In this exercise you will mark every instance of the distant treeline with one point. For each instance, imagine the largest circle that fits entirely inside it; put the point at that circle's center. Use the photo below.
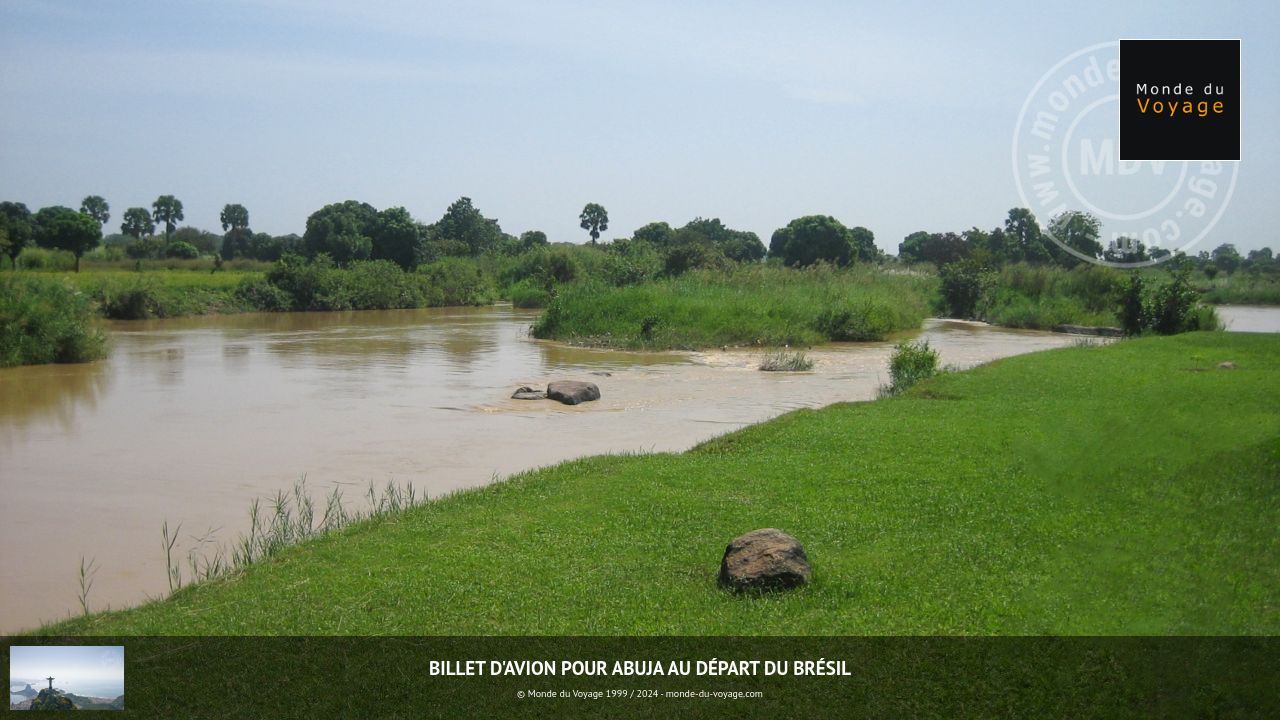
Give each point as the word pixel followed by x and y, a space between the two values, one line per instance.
pixel 351 231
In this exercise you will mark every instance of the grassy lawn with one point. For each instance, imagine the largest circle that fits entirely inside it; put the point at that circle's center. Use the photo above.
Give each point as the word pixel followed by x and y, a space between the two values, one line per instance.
pixel 1128 489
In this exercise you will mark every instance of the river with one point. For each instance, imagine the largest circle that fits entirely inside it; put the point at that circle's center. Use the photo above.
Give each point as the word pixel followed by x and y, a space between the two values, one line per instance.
pixel 190 419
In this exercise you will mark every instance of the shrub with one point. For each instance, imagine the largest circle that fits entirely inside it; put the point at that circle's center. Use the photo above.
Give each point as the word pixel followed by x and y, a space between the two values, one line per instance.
pixel 310 284
pixel 1172 308
pixel 867 320
pixel 529 294
pixel 256 293
pixel 38 258
pixel 456 281
pixel 963 283
pixel 911 363
pixel 1133 316
pixel 179 249
pixel 381 284
pixel 46 321
pixel 135 298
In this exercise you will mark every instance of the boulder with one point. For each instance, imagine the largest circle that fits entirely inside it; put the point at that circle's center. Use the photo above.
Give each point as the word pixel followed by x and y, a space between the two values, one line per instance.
pixel 572 392
pixel 766 559
pixel 528 393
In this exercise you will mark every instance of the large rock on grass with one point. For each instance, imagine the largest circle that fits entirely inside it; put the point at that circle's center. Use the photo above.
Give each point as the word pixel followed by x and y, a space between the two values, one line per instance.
pixel 766 559
pixel 572 392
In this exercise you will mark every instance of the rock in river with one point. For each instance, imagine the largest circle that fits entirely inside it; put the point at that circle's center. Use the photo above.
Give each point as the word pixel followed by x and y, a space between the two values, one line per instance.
pixel 572 392
pixel 528 393
pixel 766 559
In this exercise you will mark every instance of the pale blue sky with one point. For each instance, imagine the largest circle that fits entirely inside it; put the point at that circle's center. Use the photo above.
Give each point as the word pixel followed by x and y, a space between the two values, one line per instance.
pixel 75 668
pixel 895 116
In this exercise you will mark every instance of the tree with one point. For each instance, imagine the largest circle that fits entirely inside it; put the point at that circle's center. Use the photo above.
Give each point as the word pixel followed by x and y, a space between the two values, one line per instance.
pixel 341 231
pixel 167 209
pixel 1078 231
pixel 594 219
pixel 937 248
pixel 1261 255
pixel 97 208
pixel 396 237
pixel 1227 258
pixel 137 222
pixel 65 229
pixel 1125 249
pixel 530 239
pixel 657 234
pixel 464 223
pixel 809 239
pixel 235 223
pixel 864 244
pixel 1023 240
pixel 738 245
pixel 16 231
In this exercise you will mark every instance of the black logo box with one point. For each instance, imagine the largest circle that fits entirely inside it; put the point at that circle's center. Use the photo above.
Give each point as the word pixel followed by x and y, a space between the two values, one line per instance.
pixel 1187 68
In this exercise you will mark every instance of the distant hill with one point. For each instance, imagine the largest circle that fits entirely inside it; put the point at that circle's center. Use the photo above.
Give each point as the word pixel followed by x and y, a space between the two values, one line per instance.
pixel 96 703
pixel 52 700
pixel 27 691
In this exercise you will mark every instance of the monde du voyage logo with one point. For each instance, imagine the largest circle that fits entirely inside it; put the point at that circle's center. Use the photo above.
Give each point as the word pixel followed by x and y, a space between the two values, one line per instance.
pixel 1141 135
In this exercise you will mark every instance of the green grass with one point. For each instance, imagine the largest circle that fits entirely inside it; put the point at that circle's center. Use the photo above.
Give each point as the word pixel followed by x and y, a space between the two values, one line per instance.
pixel 750 305
pixel 1125 489
pixel 1242 289
pixel 162 293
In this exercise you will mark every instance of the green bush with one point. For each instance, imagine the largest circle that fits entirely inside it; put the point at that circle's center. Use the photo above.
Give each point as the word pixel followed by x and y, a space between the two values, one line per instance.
pixel 179 249
pixel 381 284
pixel 257 293
pixel 456 281
pixel 1174 306
pixel 38 258
pixel 46 321
pixel 963 284
pixel 529 294
pixel 911 363
pixel 310 284
pixel 1133 316
pixel 135 298
pixel 856 322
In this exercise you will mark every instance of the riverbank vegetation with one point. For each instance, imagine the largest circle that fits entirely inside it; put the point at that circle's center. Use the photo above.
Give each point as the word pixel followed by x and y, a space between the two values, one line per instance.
pixel 1136 498
pixel 695 285
pixel 46 322
pixel 756 306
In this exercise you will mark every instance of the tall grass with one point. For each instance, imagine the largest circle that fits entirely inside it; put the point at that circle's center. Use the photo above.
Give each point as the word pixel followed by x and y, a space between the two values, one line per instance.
pixel 786 361
pixel 283 520
pixel 1243 289
pixel 44 320
pixel 1043 296
pixel 749 305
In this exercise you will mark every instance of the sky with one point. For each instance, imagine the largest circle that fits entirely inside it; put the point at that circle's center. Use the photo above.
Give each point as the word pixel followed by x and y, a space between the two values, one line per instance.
pixel 76 669
pixel 895 116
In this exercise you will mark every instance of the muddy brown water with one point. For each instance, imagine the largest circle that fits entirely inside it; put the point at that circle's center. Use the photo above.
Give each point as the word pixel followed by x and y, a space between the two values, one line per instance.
pixel 1249 318
pixel 189 420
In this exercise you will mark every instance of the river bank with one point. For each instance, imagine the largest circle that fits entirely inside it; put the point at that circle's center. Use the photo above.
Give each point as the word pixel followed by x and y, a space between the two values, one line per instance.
pixel 977 503
pixel 171 426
